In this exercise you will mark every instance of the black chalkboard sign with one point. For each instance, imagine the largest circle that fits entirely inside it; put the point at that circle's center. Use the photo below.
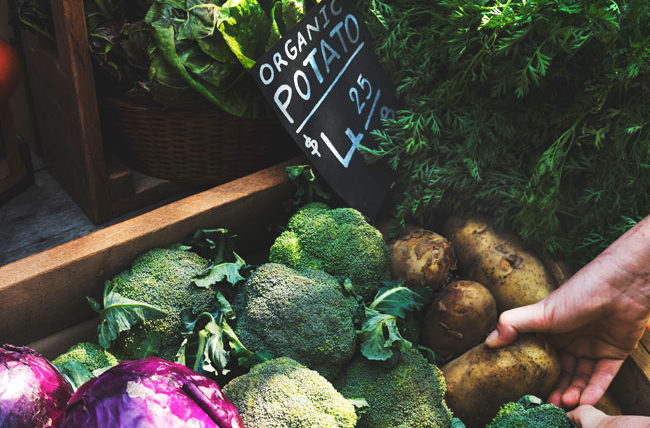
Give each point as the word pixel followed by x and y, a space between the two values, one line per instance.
pixel 325 83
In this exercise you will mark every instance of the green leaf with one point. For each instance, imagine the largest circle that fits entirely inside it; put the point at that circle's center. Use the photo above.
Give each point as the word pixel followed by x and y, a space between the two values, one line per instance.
pixel 529 401
pixel 245 28
pixel 361 406
pixel 308 188
pixel 379 336
pixel 457 423
pixel 397 300
pixel 75 373
pixel 210 345
pixel 214 274
pixel 120 314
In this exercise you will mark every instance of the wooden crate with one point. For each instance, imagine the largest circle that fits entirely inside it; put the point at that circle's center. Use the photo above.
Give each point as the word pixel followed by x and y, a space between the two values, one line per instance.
pixel 43 296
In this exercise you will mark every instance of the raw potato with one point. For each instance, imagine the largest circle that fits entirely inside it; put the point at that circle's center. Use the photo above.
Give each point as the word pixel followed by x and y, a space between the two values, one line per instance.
pixel 482 379
pixel 514 276
pixel 459 318
pixel 422 257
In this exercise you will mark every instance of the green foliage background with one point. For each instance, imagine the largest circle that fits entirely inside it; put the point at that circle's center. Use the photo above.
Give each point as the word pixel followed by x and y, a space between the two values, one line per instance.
pixel 535 112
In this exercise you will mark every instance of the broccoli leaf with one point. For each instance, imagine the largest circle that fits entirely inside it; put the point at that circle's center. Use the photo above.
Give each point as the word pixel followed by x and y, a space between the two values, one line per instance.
pixel 210 344
pixel 380 336
pixel 308 188
pixel 120 314
pixel 75 373
pixel 217 273
pixel 397 300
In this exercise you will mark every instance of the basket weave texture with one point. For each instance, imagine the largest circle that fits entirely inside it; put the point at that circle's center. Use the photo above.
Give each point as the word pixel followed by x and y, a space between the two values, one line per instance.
pixel 197 147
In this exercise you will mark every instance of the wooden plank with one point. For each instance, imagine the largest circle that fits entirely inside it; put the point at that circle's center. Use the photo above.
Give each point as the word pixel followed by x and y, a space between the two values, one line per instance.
pixel 72 47
pixel 632 384
pixel 65 106
pixel 45 293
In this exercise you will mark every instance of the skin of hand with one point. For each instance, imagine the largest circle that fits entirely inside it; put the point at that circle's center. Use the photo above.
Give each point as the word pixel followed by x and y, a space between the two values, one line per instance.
pixel 589 417
pixel 594 320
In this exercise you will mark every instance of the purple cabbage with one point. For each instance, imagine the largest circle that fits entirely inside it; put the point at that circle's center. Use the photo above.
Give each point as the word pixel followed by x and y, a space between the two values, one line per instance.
pixel 33 393
pixel 150 393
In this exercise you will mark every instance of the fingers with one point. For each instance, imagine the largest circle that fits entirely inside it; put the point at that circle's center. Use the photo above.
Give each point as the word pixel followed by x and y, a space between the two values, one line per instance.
pixel 587 416
pixel 568 366
pixel 583 372
pixel 603 374
pixel 519 320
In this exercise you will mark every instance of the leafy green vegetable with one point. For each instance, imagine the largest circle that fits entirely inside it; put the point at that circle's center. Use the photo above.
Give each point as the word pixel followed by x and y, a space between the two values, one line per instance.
pixel 379 335
pixel 118 314
pixel 245 28
pixel 210 344
pixel 308 188
pixel 185 36
pixel 534 112
pixel 217 246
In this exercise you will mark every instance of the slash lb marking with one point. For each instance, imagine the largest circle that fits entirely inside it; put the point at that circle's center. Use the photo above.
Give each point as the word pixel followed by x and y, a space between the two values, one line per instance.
pixel 312 144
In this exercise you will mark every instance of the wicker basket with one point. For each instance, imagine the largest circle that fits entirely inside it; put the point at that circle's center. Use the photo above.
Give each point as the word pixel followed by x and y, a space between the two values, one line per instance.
pixel 197 147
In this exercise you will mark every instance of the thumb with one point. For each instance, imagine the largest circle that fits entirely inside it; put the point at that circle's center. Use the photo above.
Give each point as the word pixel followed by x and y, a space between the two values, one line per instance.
pixel 586 416
pixel 526 319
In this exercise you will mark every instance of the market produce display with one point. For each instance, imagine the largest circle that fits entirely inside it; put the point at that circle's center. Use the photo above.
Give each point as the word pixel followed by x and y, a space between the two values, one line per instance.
pixel 533 112
pixel 295 346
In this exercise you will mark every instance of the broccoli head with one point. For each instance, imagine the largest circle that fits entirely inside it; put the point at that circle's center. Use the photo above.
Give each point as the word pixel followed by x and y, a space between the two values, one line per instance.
pixel 163 278
pixel 530 412
pixel 91 355
pixel 301 315
pixel 83 361
pixel 282 393
pixel 337 241
pixel 407 395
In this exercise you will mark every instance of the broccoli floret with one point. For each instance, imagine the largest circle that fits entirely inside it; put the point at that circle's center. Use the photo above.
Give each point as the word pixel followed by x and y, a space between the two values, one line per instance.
pixel 337 241
pixel 530 412
pixel 83 362
pixel 301 315
pixel 163 278
pixel 282 393
pixel 407 395
pixel 90 355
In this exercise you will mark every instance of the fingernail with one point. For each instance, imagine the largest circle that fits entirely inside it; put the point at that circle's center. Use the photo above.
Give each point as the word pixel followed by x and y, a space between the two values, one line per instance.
pixel 492 337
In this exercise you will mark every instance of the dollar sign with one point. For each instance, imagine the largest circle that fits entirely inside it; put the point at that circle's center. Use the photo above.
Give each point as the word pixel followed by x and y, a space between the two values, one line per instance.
pixel 312 144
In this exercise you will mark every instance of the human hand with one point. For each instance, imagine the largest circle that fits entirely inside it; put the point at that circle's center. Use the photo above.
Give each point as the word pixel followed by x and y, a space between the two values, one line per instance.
pixel 590 417
pixel 594 320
